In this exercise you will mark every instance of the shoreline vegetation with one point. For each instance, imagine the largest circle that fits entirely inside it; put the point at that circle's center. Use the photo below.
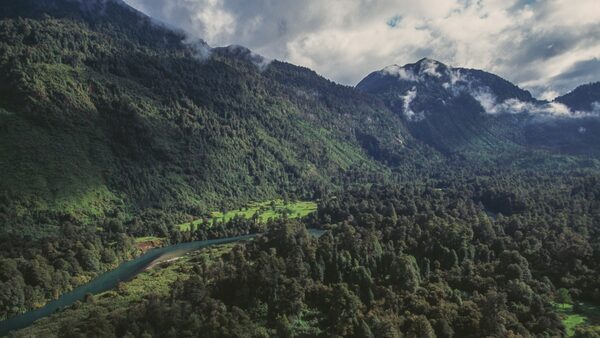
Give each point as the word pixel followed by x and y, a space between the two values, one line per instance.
pixel 109 280
pixel 156 280
pixel 261 211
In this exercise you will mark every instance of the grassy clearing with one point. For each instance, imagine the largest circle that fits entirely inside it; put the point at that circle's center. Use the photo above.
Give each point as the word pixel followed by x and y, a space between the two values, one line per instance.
pixel 148 242
pixel 583 315
pixel 263 210
pixel 148 239
pixel 157 280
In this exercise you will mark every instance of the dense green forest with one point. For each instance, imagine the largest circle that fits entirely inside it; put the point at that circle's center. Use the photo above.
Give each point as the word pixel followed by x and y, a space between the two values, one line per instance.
pixel 414 260
pixel 99 116
pixel 114 128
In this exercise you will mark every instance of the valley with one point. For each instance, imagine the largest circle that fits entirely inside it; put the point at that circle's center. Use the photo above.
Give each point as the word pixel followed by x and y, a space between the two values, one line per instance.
pixel 426 201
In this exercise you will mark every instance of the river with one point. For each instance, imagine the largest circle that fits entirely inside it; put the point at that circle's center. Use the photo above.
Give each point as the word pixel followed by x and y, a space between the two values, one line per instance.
pixel 109 280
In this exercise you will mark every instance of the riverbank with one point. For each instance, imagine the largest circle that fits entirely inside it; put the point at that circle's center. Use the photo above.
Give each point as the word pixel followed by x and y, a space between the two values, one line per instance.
pixel 157 281
pixel 109 280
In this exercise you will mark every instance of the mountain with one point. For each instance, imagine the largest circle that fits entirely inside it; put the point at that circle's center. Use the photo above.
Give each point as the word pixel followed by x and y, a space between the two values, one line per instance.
pixel 444 106
pixel 475 112
pixel 577 130
pixel 445 202
pixel 104 111
pixel 582 98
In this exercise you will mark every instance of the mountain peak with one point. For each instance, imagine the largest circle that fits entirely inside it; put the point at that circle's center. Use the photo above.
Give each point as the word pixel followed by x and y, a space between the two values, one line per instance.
pixel 427 60
pixel 431 88
pixel 584 98
pixel 418 71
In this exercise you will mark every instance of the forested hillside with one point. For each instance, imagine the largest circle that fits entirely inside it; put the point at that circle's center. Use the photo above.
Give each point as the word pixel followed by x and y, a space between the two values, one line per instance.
pixel 455 203
pixel 105 111
pixel 113 126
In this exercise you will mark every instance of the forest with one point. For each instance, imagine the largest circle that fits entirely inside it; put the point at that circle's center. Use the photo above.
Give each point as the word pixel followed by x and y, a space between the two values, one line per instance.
pixel 115 131
pixel 486 257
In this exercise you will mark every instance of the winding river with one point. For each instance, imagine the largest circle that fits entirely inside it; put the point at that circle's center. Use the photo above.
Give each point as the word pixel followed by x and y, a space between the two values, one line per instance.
pixel 109 280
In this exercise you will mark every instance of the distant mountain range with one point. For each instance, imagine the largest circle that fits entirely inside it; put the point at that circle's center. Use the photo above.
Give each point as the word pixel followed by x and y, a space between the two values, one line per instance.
pixel 458 109
pixel 102 110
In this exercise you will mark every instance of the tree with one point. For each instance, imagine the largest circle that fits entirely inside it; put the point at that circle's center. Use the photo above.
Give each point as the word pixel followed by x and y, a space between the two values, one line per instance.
pixel 363 331
pixel 283 327
pixel 493 308
pixel 420 327
pixel 391 213
pixel 563 297
pixel 406 272
pixel 343 311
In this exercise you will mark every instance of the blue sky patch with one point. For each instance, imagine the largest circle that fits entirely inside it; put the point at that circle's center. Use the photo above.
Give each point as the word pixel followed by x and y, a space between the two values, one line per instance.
pixel 394 21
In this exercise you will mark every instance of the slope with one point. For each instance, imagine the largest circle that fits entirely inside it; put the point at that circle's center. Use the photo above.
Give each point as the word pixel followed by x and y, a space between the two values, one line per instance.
pixel 437 103
pixel 480 115
pixel 104 111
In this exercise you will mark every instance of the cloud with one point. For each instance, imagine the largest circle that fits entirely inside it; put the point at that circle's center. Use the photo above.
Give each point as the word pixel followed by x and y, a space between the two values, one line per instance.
pixel 581 72
pixel 538 109
pixel 460 83
pixel 394 21
pixel 407 110
pixel 244 53
pixel 401 72
pixel 430 68
pixel 202 50
pixel 540 45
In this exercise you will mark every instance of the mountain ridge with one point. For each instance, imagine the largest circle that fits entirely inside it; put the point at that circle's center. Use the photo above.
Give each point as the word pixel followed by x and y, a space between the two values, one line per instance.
pixel 114 128
pixel 128 117
pixel 585 97
pixel 179 96
pixel 459 109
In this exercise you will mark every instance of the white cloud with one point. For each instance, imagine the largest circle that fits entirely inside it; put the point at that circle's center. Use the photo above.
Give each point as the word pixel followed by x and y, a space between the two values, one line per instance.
pixel 201 50
pixel 528 42
pixel 407 110
pixel 515 106
pixel 400 72
pixel 429 67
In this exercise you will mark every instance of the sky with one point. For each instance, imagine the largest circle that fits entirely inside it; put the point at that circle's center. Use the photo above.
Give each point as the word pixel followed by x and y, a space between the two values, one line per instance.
pixel 546 46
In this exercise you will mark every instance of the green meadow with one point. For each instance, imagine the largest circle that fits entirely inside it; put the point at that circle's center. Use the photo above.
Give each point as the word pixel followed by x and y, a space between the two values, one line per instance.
pixel 148 239
pixel 264 211
pixel 583 315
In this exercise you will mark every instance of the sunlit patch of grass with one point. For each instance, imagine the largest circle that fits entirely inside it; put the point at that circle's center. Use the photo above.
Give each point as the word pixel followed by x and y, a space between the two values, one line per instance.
pixel 264 211
pixel 148 239
pixel 581 315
